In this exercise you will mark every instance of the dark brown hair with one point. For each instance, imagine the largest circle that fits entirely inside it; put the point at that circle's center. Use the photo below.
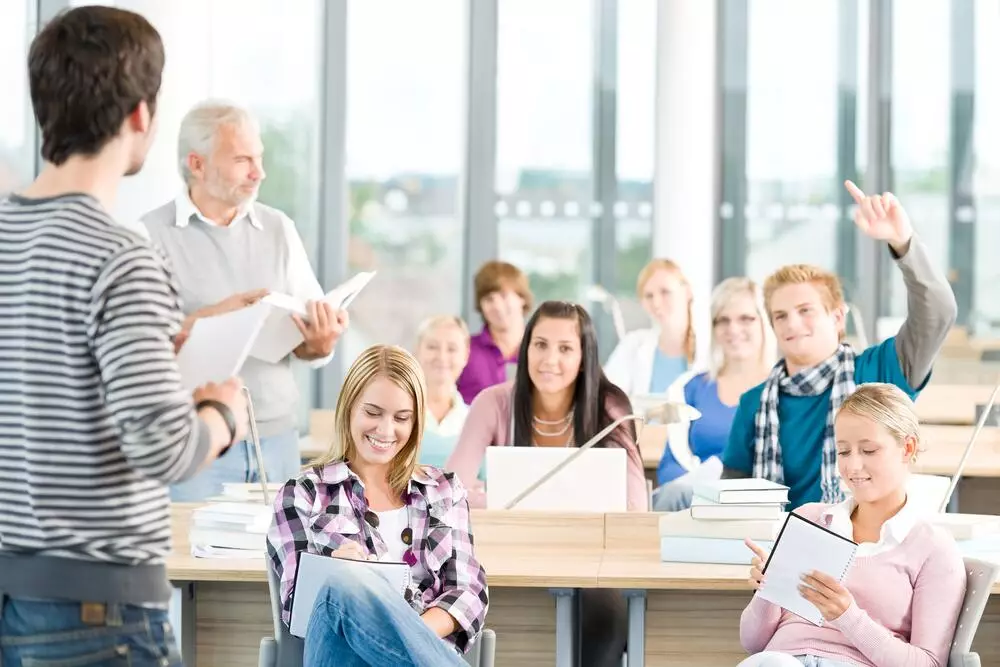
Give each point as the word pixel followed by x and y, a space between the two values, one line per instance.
pixel 594 396
pixel 494 276
pixel 89 68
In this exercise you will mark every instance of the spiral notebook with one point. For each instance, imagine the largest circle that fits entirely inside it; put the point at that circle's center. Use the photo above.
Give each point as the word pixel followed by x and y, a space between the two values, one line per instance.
pixel 314 571
pixel 801 547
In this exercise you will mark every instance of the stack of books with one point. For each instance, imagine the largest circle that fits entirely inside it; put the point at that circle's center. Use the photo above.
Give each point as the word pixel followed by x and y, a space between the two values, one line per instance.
pixel 230 530
pixel 723 513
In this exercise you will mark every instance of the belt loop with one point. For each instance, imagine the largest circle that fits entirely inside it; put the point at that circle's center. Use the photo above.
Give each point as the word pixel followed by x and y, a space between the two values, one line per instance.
pixel 114 615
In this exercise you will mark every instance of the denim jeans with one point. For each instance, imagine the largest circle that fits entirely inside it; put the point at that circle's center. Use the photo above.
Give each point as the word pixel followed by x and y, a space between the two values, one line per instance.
pixel 674 496
pixel 361 621
pixel 52 633
pixel 776 659
pixel 239 466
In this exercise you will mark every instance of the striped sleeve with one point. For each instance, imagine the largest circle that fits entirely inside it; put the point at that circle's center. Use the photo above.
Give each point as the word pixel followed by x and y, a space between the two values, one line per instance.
pixel 135 315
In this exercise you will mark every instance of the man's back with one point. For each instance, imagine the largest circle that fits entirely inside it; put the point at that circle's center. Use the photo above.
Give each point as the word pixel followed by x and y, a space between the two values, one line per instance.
pixel 93 420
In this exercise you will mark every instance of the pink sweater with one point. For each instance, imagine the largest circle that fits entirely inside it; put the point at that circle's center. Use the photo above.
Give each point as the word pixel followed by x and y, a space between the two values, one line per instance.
pixel 488 423
pixel 906 604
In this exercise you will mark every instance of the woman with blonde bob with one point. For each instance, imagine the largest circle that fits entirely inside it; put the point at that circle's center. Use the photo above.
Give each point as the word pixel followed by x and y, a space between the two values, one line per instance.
pixel 367 499
pixel 902 596
pixel 647 361
pixel 743 350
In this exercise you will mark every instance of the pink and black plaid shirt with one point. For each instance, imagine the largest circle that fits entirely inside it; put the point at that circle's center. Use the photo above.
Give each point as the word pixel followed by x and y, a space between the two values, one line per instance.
pixel 324 508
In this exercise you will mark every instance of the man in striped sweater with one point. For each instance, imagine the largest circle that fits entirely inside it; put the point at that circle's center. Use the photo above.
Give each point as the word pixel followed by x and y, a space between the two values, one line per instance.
pixel 94 423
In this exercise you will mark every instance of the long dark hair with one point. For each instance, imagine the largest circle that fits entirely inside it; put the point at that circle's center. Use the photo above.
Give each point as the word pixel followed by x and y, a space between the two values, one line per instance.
pixel 593 393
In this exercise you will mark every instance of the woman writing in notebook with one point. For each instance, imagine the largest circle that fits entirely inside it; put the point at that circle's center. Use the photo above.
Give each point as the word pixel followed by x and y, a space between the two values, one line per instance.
pixel 559 398
pixel 901 598
pixel 367 499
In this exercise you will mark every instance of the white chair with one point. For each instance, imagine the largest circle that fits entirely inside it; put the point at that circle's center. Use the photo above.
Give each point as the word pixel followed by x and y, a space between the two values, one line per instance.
pixel 286 650
pixel 980 577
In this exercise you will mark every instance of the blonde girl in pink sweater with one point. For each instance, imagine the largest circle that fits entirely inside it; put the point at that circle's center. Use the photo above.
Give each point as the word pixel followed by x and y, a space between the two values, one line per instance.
pixel 901 598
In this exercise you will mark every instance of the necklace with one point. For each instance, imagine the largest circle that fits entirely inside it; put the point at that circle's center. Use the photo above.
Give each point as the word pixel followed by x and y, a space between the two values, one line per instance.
pixel 569 439
pixel 539 420
pixel 552 434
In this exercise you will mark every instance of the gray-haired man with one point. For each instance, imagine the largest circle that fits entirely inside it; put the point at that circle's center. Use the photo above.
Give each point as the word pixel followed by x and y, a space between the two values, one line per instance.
pixel 228 251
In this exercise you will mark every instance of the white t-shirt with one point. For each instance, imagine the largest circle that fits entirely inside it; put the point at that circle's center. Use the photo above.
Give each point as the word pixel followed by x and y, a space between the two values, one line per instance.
pixel 391 524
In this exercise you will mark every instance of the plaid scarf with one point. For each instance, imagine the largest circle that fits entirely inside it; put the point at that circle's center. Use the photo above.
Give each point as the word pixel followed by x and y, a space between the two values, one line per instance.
pixel 838 370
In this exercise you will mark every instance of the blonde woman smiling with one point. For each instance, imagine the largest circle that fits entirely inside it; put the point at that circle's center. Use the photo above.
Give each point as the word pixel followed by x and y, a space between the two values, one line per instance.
pixel 368 499
pixel 903 594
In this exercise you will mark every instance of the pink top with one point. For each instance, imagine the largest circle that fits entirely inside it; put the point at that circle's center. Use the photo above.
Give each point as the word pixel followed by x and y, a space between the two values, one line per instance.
pixel 906 603
pixel 488 423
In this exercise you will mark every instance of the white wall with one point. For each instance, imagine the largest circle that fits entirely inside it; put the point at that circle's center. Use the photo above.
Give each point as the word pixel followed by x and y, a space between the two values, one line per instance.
pixel 686 154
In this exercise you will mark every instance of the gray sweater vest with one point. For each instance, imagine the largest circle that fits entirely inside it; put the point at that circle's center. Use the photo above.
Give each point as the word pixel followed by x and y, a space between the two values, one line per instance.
pixel 211 263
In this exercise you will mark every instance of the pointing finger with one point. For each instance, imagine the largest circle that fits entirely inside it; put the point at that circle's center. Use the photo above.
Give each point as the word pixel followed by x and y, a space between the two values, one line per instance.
pixel 855 191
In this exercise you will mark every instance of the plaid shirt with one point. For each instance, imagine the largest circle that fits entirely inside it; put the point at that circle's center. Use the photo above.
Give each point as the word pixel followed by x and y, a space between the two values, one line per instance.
pixel 324 508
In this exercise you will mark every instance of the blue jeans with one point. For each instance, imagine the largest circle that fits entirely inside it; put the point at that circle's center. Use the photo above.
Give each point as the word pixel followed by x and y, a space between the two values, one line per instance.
pixel 52 633
pixel 239 466
pixel 360 621
pixel 673 496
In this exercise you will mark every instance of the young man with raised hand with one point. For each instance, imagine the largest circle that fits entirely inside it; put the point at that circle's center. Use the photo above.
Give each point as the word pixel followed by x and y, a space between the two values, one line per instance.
pixel 783 428
pixel 94 422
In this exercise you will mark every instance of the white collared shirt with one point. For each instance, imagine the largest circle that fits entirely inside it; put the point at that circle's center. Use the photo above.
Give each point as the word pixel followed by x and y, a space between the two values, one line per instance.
pixel 894 531
pixel 302 280
pixel 451 424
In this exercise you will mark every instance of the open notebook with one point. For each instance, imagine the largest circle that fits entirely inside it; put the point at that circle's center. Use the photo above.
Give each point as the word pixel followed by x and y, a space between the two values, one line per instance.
pixel 801 547
pixel 313 573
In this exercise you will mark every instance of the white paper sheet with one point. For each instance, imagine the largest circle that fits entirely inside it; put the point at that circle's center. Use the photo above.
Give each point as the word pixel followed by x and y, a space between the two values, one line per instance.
pixel 217 346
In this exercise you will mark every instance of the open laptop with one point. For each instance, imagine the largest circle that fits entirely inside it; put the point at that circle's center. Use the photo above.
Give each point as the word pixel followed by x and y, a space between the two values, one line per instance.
pixel 595 482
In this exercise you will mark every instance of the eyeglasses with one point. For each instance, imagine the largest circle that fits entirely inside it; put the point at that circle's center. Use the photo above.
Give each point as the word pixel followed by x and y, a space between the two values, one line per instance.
pixel 742 321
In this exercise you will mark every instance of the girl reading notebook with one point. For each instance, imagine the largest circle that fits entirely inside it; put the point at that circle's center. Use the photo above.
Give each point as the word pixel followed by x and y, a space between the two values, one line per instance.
pixel 902 596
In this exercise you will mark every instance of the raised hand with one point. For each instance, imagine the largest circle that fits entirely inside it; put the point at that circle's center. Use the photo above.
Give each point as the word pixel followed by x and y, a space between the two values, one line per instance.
pixel 882 217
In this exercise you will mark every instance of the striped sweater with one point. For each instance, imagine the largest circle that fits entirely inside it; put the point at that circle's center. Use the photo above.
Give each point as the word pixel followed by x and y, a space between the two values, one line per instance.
pixel 93 420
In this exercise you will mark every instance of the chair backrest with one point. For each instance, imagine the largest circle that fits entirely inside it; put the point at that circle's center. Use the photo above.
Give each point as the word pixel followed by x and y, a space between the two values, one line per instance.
pixel 290 649
pixel 980 577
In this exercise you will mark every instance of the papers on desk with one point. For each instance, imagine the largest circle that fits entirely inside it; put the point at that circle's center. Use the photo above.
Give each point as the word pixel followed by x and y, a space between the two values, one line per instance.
pixel 803 546
pixel 314 571
pixel 220 529
pixel 279 335
pixel 217 346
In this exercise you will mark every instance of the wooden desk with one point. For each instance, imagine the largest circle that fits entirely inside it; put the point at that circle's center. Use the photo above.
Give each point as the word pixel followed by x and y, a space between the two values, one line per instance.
pixel 951 403
pixel 534 562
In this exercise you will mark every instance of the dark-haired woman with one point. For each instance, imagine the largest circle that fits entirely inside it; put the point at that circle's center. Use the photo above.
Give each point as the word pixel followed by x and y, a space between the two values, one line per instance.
pixel 559 398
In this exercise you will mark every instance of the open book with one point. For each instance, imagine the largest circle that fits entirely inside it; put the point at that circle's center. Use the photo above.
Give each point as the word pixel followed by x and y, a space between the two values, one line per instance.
pixel 802 547
pixel 279 335
pixel 315 571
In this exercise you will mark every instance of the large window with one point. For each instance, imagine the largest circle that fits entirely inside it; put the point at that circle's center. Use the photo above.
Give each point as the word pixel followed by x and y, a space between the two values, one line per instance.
pixel 986 175
pixel 224 49
pixel 18 21
pixel 636 122
pixel 921 94
pixel 544 172
pixel 793 131
pixel 405 94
